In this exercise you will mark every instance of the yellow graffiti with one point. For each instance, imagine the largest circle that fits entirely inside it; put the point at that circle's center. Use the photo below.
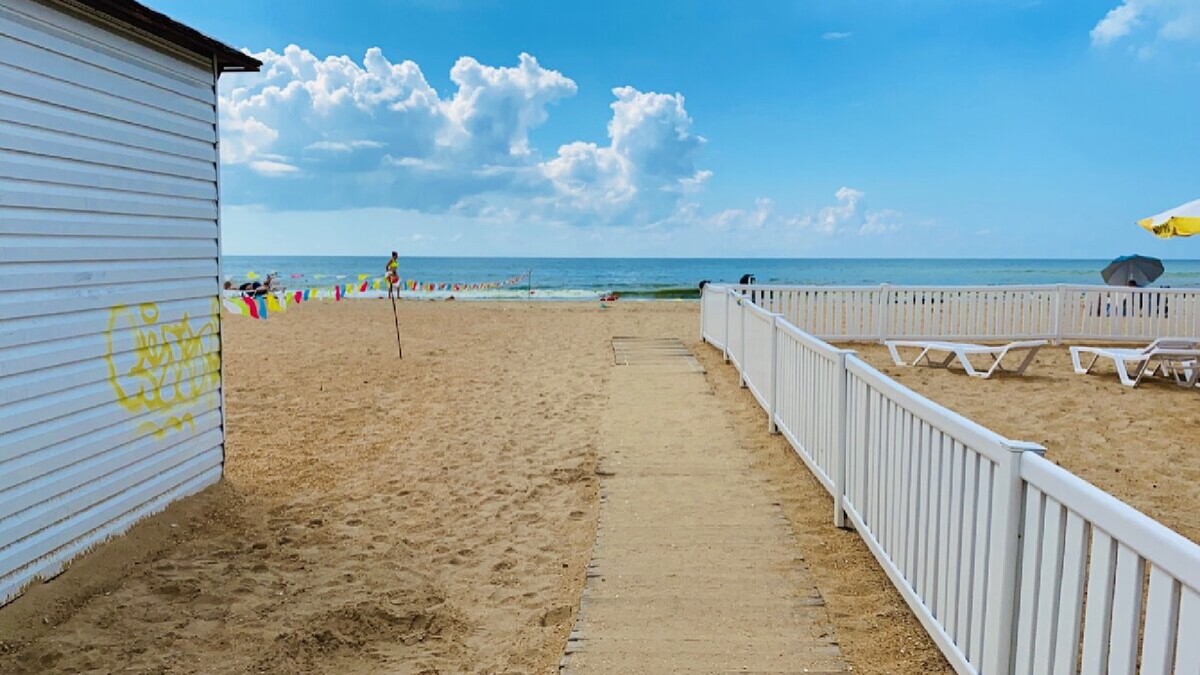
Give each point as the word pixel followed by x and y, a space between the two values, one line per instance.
pixel 161 371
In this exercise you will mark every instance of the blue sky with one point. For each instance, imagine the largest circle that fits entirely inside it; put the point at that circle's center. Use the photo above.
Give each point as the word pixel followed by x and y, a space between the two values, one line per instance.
pixel 873 128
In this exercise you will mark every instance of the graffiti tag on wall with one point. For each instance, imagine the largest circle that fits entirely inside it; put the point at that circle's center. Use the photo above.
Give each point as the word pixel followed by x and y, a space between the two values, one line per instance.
pixel 162 370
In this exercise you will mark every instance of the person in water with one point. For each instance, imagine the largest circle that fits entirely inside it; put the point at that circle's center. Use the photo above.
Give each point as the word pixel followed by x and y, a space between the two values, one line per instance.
pixel 393 275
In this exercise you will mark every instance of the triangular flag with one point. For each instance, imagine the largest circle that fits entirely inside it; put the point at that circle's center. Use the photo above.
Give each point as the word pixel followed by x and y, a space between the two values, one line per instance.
pixel 363 288
pixel 236 308
pixel 262 308
pixel 337 293
pixel 251 307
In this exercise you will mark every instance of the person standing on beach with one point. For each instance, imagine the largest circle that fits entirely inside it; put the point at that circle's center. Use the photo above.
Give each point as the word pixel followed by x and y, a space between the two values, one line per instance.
pixel 393 275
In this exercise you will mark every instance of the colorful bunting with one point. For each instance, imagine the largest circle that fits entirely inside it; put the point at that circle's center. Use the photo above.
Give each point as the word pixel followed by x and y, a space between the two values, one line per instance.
pixel 260 307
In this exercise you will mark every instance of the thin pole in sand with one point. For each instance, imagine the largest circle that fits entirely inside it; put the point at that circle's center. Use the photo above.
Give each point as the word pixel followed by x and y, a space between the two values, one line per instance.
pixel 530 280
pixel 396 316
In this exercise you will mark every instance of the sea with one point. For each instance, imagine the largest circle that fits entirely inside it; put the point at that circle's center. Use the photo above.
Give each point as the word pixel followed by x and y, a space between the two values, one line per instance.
pixel 668 278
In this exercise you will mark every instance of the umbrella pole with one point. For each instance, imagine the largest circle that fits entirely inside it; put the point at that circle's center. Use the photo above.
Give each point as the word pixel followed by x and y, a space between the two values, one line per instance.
pixel 396 317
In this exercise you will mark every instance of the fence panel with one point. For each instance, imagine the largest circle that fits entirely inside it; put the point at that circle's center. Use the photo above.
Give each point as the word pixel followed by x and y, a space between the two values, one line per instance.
pixel 1105 313
pixel 841 312
pixel 983 313
pixel 1084 548
pixel 735 331
pixel 758 371
pixel 712 313
pixel 1011 563
pixel 807 408
pixel 930 492
pixel 970 313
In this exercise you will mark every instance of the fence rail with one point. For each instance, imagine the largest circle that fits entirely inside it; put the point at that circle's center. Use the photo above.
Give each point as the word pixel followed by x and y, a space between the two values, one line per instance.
pixel 1012 564
pixel 1053 312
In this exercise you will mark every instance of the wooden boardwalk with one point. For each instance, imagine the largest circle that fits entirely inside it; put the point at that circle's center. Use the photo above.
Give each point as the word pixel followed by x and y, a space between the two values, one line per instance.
pixel 695 569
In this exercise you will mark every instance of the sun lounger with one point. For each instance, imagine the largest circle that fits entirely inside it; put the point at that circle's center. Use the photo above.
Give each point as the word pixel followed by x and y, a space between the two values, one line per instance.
pixel 1182 366
pixel 962 351
pixel 1175 357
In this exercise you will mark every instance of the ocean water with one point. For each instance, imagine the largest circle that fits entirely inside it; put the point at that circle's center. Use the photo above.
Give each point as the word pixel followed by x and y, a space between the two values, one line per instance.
pixel 678 278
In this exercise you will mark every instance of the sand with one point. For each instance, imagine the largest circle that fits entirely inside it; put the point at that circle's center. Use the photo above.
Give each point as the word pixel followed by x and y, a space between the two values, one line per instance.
pixel 1140 445
pixel 429 515
pixel 437 514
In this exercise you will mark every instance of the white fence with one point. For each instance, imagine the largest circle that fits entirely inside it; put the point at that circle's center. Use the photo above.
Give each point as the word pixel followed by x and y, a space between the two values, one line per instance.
pixel 1056 312
pixel 1012 564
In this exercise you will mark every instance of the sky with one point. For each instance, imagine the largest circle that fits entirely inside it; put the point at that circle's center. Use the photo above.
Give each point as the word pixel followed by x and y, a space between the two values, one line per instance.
pixel 671 128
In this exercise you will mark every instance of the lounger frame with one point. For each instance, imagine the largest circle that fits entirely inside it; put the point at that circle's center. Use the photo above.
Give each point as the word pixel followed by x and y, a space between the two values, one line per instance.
pixel 962 351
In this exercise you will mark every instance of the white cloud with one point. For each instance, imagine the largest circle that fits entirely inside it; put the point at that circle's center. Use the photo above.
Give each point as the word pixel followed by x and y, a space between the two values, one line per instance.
pixel 494 108
pixel 1118 23
pixel 375 134
pixel 642 173
pixel 271 168
pixel 835 35
pixel 1149 21
pixel 342 120
pixel 348 146
pixel 847 216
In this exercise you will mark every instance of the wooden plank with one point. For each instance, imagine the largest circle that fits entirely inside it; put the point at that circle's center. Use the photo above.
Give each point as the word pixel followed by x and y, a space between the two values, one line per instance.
pixel 1053 546
pixel 1070 604
pixel 1031 579
pixel 1098 618
pixel 980 574
pixel 1126 611
pixel 1162 615
pixel 1187 651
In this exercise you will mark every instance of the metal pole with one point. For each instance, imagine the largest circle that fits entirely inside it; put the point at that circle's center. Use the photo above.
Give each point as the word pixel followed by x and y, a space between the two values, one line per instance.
pixel 396 317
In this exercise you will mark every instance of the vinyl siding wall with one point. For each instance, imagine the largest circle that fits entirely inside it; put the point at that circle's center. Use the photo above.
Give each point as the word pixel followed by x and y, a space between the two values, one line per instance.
pixel 110 389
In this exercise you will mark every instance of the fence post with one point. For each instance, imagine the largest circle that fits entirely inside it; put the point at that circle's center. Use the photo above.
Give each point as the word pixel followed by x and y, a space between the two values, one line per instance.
pixel 742 357
pixel 840 394
pixel 881 321
pixel 703 325
pixel 774 395
pixel 1004 558
pixel 1060 295
pixel 725 341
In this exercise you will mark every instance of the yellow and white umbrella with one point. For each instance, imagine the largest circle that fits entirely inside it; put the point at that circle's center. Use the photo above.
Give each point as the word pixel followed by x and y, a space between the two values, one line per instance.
pixel 1182 221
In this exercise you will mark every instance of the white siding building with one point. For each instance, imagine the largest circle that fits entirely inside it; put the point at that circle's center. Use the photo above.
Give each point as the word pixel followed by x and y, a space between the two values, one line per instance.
pixel 110 356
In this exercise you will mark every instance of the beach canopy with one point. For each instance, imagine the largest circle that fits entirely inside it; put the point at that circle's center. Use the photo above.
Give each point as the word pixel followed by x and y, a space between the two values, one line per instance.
pixel 1181 221
pixel 1138 268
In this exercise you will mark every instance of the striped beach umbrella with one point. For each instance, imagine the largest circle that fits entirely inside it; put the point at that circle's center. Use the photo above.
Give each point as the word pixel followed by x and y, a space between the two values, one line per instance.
pixel 1181 221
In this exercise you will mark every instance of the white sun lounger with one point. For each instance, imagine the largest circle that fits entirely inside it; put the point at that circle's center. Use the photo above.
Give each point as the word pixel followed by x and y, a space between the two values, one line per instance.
pixel 962 351
pixel 1176 357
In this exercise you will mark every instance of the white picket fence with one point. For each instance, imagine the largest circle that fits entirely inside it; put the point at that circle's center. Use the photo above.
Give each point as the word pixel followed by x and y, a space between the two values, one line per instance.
pixel 1055 312
pixel 1012 564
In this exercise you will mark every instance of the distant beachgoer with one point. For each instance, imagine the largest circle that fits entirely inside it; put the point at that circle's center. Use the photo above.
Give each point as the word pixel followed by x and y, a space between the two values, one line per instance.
pixel 393 274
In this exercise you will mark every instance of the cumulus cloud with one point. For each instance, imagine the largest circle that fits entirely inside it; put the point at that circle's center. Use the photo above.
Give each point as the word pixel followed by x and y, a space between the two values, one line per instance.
pixel 647 165
pixel 327 134
pixel 1150 21
pixel 376 133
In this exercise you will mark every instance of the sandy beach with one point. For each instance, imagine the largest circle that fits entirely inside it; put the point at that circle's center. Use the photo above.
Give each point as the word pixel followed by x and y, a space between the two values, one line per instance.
pixel 436 514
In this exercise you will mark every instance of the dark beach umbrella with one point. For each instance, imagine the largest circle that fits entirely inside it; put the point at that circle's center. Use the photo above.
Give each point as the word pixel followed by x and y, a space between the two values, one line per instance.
pixel 1139 268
